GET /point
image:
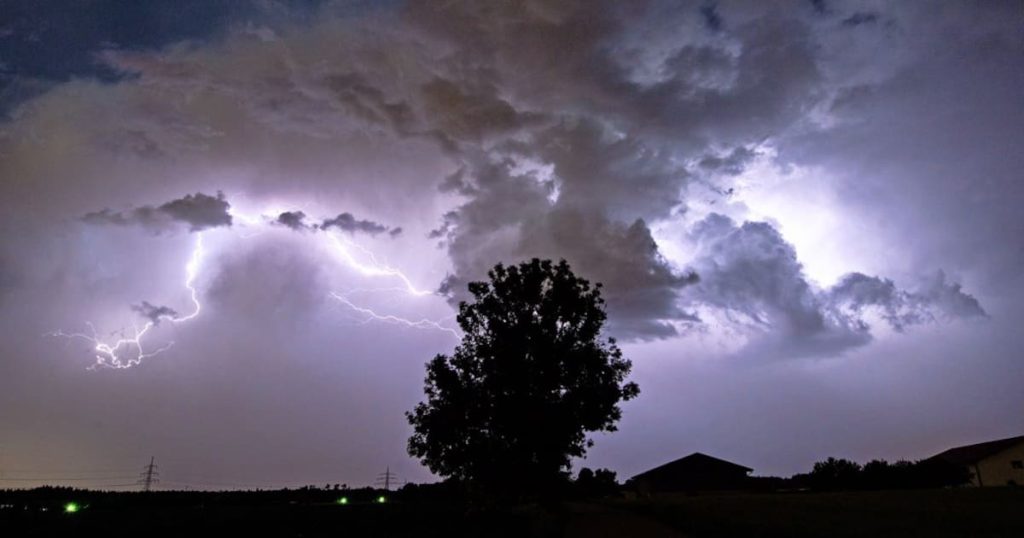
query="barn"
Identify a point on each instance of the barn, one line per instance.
(692, 473)
(993, 463)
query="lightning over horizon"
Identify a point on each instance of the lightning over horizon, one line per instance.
(233, 234)
(128, 351)
(109, 354)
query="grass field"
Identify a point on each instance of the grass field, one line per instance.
(932, 513)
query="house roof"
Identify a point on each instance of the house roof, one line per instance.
(695, 461)
(965, 455)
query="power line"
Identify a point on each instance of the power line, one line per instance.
(60, 471)
(64, 479)
(222, 485)
(149, 475)
(147, 479)
(384, 479)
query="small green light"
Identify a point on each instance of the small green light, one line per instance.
(381, 500)
(71, 508)
(343, 500)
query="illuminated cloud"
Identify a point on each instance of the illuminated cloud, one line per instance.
(604, 133)
(154, 313)
(580, 167)
(348, 223)
(292, 219)
(752, 273)
(199, 211)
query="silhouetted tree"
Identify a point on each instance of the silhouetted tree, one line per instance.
(599, 483)
(933, 473)
(532, 377)
(840, 474)
(833, 474)
(879, 474)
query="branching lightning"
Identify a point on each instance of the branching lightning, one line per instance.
(343, 247)
(127, 351)
(388, 318)
(118, 353)
(374, 268)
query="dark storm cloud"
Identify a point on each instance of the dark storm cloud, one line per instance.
(346, 222)
(470, 113)
(858, 19)
(935, 297)
(45, 44)
(759, 87)
(576, 154)
(199, 211)
(152, 312)
(943, 148)
(857, 292)
(593, 144)
(292, 219)
(578, 168)
(583, 130)
(711, 16)
(732, 163)
(369, 103)
(751, 271)
(594, 155)
(948, 298)
(640, 286)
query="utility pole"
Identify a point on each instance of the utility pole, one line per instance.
(385, 479)
(149, 475)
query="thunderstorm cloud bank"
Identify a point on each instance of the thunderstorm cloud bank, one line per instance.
(757, 184)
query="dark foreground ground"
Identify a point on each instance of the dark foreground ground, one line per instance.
(985, 512)
(932, 513)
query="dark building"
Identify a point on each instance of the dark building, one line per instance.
(995, 463)
(694, 472)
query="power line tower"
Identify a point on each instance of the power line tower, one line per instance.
(149, 475)
(385, 479)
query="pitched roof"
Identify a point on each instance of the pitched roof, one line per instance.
(964, 455)
(696, 460)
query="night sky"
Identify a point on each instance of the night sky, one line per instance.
(807, 217)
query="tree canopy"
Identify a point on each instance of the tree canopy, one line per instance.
(531, 378)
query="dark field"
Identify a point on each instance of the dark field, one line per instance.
(932, 513)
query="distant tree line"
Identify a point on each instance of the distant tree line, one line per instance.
(832, 474)
(588, 484)
(835, 474)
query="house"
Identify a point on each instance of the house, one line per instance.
(995, 463)
(694, 472)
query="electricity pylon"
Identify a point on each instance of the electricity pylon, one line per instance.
(149, 475)
(385, 479)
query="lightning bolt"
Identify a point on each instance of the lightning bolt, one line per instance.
(128, 351)
(374, 268)
(388, 318)
(117, 353)
(343, 247)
